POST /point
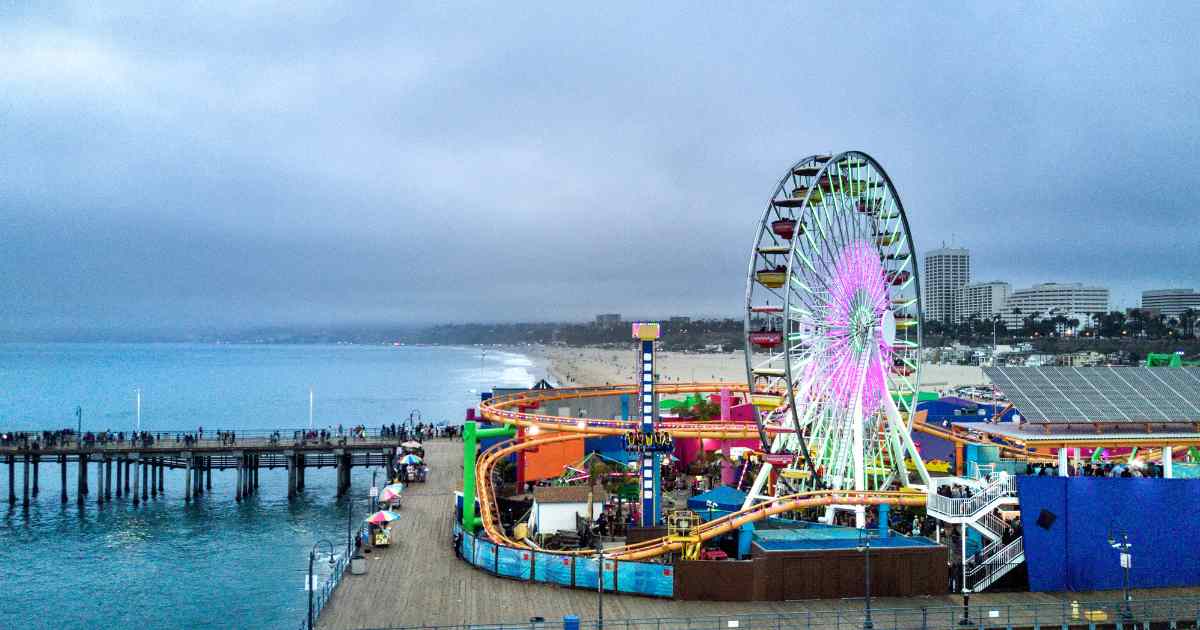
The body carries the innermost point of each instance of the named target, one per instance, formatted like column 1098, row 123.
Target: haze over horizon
column 272, row 164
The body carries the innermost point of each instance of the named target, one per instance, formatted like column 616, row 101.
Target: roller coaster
column 513, row 409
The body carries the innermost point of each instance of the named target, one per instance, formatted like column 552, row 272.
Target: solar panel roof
column 1063, row 395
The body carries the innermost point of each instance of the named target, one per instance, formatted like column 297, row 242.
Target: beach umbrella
column 409, row 459
column 411, row 444
column 383, row 517
column 390, row 492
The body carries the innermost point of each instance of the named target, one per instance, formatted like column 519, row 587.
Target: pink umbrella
column 383, row 517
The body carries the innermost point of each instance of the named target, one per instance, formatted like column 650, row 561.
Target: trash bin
column 358, row 565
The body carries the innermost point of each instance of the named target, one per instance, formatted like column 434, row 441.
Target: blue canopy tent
column 724, row 498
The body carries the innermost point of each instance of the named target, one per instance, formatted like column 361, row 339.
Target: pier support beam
column 12, row 479
column 62, row 470
column 37, row 460
column 80, row 488
column 187, row 478
column 25, row 500
column 108, row 462
column 161, row 470
column 241, row 470
column 257, row 465
column 290, row 456
column 301, row 466
column 145, row 477
column 154, row 477
column 136, row 463
column 208, row 472
column 128, row 463
column 100, row 480
column 120, row 466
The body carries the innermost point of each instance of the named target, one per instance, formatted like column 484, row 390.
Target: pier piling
column 208, row 473
column 187, row 484
column 62, row 470
column 37, row 460
column 241, row 468
column 120, row 465
column 161, row 471
column 107, row 478
column 99, row 480
column 136, row 463
column 25, row 500
column 128, row 463
column 79, row 478
column 291, row 468
column 256, row 467
column 12, row 494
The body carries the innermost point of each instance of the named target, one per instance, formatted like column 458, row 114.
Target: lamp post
column 599, row 583
column 864, row 547
column 1119, row 539
column 79, row 429
column 312, row 557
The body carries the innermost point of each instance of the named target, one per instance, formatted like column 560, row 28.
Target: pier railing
column 211, row 439
column 1166, row 612
column 322, row 595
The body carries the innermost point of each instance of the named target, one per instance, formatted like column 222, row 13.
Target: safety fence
column 619, row 576
column 322, row 593
column 1143, row 615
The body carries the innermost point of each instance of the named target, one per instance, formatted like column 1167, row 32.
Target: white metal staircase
column 977, row 511
column 993, row 562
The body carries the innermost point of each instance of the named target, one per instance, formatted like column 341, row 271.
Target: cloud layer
column 274, row 164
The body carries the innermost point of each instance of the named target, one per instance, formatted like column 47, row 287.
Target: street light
column 312, row 557
column 1119, row 539
column 864, row 547
column 599, row 583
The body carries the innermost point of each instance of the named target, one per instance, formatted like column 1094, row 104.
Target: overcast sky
column 260, row 163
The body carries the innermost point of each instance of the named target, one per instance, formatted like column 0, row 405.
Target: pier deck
column 419, row 581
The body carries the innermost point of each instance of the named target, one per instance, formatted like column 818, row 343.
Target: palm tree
column 1188, row 320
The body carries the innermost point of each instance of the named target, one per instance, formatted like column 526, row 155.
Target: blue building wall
column 1073, row 553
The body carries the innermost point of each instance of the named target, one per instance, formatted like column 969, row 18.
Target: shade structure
column 409, row 459
column 391, row 492
column 411, row 444
column 383, row 517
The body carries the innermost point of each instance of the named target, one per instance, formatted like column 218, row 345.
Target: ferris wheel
column 833, row 322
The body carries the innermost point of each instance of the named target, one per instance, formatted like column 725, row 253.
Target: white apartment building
column 944, row 273
column 983, row 300
column 1071, row 300
column 1171, row 303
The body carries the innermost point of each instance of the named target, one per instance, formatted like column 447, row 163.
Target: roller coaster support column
column 651, row 486
column 1168, row 455
column 471, row 436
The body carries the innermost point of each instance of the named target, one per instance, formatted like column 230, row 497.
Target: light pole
column 312, row 557
column 599, row 583
column 79, row 430
column 864, row 547
column 138, row 414
column 1119, row 539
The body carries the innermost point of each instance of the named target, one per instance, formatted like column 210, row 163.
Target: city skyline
column 286, row 165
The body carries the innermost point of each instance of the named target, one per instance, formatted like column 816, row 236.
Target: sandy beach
column 600, row 366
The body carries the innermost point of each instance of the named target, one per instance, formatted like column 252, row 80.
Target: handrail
column 988, row 569
column 969, row 506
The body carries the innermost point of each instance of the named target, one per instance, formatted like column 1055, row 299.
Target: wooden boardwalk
column 419, row 581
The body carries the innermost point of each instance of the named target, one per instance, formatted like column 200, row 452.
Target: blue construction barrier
column 485, row 555
column 1069, row 551
column 514, row 563
column 467, row 548
column 645, row 578
column 641, row 578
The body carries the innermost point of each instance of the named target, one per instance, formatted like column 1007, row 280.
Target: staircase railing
column 969, row 506
column 993, row 562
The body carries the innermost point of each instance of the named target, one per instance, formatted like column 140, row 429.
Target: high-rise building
column 1171, row 303
column 608, row 319
column 944, row 273
column 983, row 300
column 1071, row 300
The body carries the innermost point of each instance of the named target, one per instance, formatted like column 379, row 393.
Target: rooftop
column 568, row 494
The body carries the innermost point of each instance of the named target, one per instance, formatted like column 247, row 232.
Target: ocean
column 215, row 562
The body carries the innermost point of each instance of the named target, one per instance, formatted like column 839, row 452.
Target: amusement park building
column 1071, row 300
column 946, row 271
column 1171, row 303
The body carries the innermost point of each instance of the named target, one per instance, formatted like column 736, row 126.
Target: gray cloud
column 274, row 164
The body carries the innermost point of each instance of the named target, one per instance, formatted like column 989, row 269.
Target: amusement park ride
column 833, row 346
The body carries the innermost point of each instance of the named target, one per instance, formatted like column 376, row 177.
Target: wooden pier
column 418, row 580
column 141, row 469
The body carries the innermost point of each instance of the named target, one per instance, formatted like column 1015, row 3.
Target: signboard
column 654, row 442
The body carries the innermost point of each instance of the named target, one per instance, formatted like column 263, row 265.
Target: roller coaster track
column 513, row 410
